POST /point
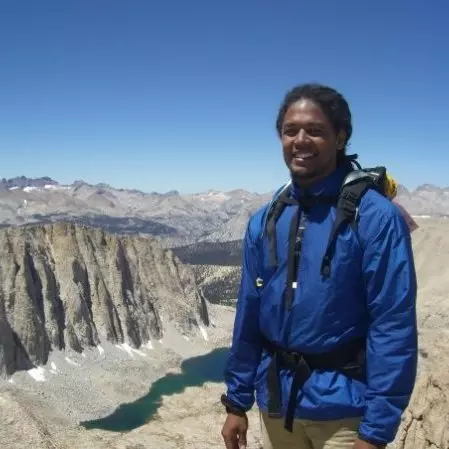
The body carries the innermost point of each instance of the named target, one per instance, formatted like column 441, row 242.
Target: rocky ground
column 78, row 388
column 218, row 283
column 45, row 414
column 71, row 388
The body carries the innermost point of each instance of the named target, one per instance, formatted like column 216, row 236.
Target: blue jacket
column 371, row 292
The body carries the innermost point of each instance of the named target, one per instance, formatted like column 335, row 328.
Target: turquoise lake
column 195, row 372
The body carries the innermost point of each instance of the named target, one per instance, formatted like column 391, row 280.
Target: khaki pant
column 339, row 434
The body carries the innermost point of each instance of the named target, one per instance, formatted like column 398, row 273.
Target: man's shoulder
column 257, row 220
column 377, row 211
column 377, row 206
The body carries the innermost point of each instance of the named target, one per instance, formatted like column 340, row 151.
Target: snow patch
column 11, row 380
column 71, row 362
column 149, row 345
column 38, row 374
column 127, row 348
column 221, row 196
column 186, row 338
column 204, row 333
column 56, row 187
column 29, row 189
column 138, row 352
column 100, row 350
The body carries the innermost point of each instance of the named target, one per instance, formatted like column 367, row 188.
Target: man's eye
column 315, row 131
column 290, row 132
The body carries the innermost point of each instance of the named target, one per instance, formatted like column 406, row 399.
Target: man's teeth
column 304, row 155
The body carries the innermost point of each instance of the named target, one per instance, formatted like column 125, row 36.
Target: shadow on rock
column 195, row 372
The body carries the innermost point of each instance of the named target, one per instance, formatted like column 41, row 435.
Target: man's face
column 309, row 142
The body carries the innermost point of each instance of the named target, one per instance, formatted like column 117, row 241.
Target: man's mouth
column 303, row 156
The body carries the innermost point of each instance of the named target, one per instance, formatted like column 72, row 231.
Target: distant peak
column 21, row 182
column 171, row 193
column 103, row 185
column 428, row 188
column 79, row 183
column 402, row 190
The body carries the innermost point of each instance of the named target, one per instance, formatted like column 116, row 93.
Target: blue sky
column 184, row 94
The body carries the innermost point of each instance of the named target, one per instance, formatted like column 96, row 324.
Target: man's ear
column 341, row 140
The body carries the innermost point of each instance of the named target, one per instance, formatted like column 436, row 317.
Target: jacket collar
column 328, row 186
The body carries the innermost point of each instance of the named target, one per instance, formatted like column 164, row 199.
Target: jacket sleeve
column 392, row 352
column 245, row 352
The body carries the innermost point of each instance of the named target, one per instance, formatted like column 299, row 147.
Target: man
column 326, row 335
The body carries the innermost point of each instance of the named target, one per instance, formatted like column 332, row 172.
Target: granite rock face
column 426, row 421
column 64, row 285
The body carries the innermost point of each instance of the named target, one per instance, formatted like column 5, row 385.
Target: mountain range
column 178, row 219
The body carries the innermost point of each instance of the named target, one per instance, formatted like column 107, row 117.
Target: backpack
column 347, row 201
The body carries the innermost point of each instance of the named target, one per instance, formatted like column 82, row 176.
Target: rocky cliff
column 219, row 284
column 426, row 421
column 64, row 285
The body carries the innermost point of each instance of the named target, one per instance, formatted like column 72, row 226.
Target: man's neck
column 305, row 183
column 319, row 185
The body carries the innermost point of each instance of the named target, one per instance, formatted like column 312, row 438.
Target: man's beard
column 301, row 178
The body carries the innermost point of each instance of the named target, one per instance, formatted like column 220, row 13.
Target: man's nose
column 301, row 137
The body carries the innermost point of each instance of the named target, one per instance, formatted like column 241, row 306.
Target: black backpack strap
column 347, row 358
column 295, row 236
column 352, row 160
column 276, row 210
column 350, row 195
column 273, row 215
column 356, row 183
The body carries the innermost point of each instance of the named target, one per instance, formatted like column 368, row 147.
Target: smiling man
column 325, row 330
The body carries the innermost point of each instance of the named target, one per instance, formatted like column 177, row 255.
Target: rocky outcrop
column 7, row 351
column 64, row 285
column 219, row 284
column 426, row 421
column 211, row 253
column 217, row 268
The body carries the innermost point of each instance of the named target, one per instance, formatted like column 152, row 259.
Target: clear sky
column 176, row 94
